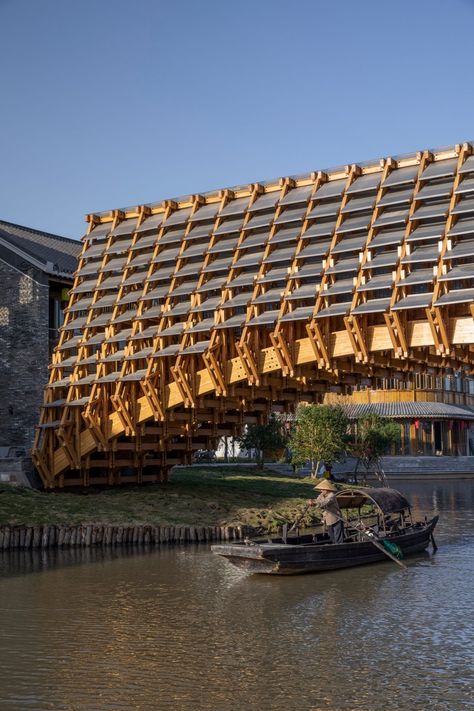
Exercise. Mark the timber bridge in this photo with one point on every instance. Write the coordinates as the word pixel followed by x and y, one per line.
pixel 191 317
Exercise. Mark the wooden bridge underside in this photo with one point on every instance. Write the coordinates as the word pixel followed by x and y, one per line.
pixel 135 390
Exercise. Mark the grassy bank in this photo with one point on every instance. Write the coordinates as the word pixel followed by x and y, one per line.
pixel 204 496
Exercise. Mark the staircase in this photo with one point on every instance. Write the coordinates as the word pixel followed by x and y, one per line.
pixel 395 468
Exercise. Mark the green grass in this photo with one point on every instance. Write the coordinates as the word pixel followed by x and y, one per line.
pixel 204 496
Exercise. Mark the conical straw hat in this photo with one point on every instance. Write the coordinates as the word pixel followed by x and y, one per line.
pixel 325 485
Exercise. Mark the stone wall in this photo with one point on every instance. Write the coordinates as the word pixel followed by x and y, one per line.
pixel 24 355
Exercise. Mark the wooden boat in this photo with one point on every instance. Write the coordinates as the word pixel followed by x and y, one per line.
pixel 391 520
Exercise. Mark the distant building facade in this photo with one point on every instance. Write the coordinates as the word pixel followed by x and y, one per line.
pixel 36 271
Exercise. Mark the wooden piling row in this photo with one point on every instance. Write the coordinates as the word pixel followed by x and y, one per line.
pixel 30 537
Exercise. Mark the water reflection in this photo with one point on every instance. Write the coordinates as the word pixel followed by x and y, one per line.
pixel 182 629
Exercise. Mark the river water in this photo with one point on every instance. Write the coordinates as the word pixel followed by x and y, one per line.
pixel 180 628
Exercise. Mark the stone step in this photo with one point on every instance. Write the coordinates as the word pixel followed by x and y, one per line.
pixel 393 466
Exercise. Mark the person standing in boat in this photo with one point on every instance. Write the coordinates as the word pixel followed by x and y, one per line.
pixel 327 502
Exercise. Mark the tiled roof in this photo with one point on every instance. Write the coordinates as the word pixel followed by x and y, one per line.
pixel 59 255
pixel 410 410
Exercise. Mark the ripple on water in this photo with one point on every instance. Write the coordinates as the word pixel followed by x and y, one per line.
pixel 182 629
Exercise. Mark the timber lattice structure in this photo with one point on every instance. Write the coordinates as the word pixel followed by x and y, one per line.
pixel 191 317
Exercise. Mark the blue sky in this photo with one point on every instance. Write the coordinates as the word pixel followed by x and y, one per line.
pixel 107 103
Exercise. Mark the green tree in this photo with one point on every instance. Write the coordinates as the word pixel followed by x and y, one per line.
pixel 264 439
pixel 320 435
pixel 376 435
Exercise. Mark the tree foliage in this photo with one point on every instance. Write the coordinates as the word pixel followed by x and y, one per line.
pixel 320 435
pixel 264 439
pixel 376 435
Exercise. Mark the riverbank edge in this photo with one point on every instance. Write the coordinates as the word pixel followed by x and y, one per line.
pixel 84 536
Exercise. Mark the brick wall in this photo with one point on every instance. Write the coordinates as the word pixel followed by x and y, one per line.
pixel 23 351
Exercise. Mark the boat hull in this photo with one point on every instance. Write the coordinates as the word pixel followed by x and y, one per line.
pixel 295 559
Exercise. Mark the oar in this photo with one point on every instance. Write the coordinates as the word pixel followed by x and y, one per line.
pixel 370 535
pixel 299 519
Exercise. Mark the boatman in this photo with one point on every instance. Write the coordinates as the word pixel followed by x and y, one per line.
pixel 331 512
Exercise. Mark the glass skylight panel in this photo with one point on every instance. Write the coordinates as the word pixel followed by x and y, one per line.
pixel 392 217
pixel 370 181
pixel 144 242
pixel 113 264
pixel 265 201
pixel 384 259
pixel 413 301
pixel 246 260
pixel 125 227
pixel 463 206
pixel 463 271
pixel 465 186
pixel 235 207
pixel 140 260
pixel 100 231
pixel 325 209
pixel 419 276
pixel 331 189
pixel 238 300
pixel 382 281
pixel 230 226
pixel 468 165
pixel 387 237
pixel 306 291
pixel 457 296
pixel 224 245
pixel 254 240
pixel 374 306
pixel 269 297
pixel 200 230
pixel 341 286
pixel 320 229
pixel 342 266
pixel 275 274
pixel 440 169
pixel 460 250
pixel 396 197
pixel 120 246
pixel 338 309
pixel 438 190
pixel 350 244
pixel 194 250
pixel 358 204
pixel 172 236
pixel 353 224
pixel 168 254
pixel 280 255
pixel 297 195
pixel 463 226
pixel 422 254
pixel 264 319
pixel 151 223
pixel 401 176
pixel 302 313
pixel 218 264
pixel 206 212
pixel 258 221
pixel 432 231
pixel 315 249
pixel 213 284
pixel 294 214
pixel 426 212
pixel 287 234
pixel 178 217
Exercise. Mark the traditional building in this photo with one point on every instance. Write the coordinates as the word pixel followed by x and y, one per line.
pixel 192 316
pixel 36 273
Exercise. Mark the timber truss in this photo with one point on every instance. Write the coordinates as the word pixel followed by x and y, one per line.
pixel 190 318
